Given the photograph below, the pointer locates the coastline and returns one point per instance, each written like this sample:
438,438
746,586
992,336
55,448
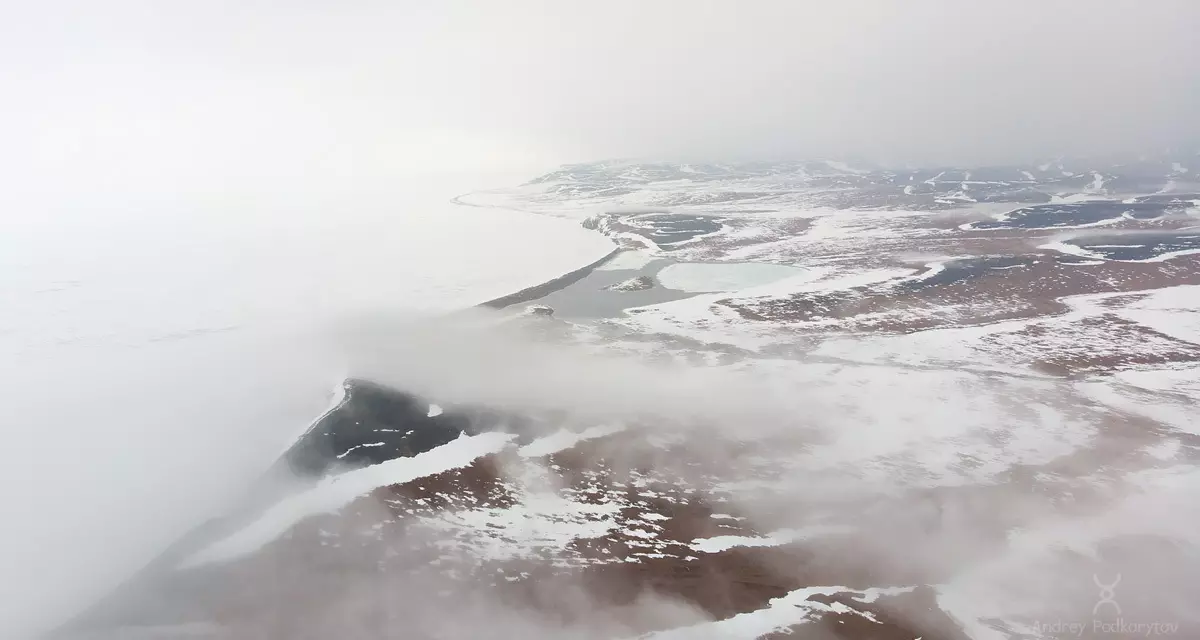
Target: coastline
541,290
276,479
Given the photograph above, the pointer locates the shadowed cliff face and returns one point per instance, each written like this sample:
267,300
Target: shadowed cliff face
376,423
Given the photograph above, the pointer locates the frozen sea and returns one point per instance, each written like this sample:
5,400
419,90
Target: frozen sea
139,341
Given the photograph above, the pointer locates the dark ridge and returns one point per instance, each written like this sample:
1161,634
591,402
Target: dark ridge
376,423
546,288
372,425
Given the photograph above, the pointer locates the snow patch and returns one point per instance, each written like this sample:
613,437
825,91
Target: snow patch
702,277
359,446
1175,413
1183,379
932,269
1172,311
539,524
780,613
717,544
336,492
1070,249
852,281
563,439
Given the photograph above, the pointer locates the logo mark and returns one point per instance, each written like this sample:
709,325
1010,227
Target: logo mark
1106,594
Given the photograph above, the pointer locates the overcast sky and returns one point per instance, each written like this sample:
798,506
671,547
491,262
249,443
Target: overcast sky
124,91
